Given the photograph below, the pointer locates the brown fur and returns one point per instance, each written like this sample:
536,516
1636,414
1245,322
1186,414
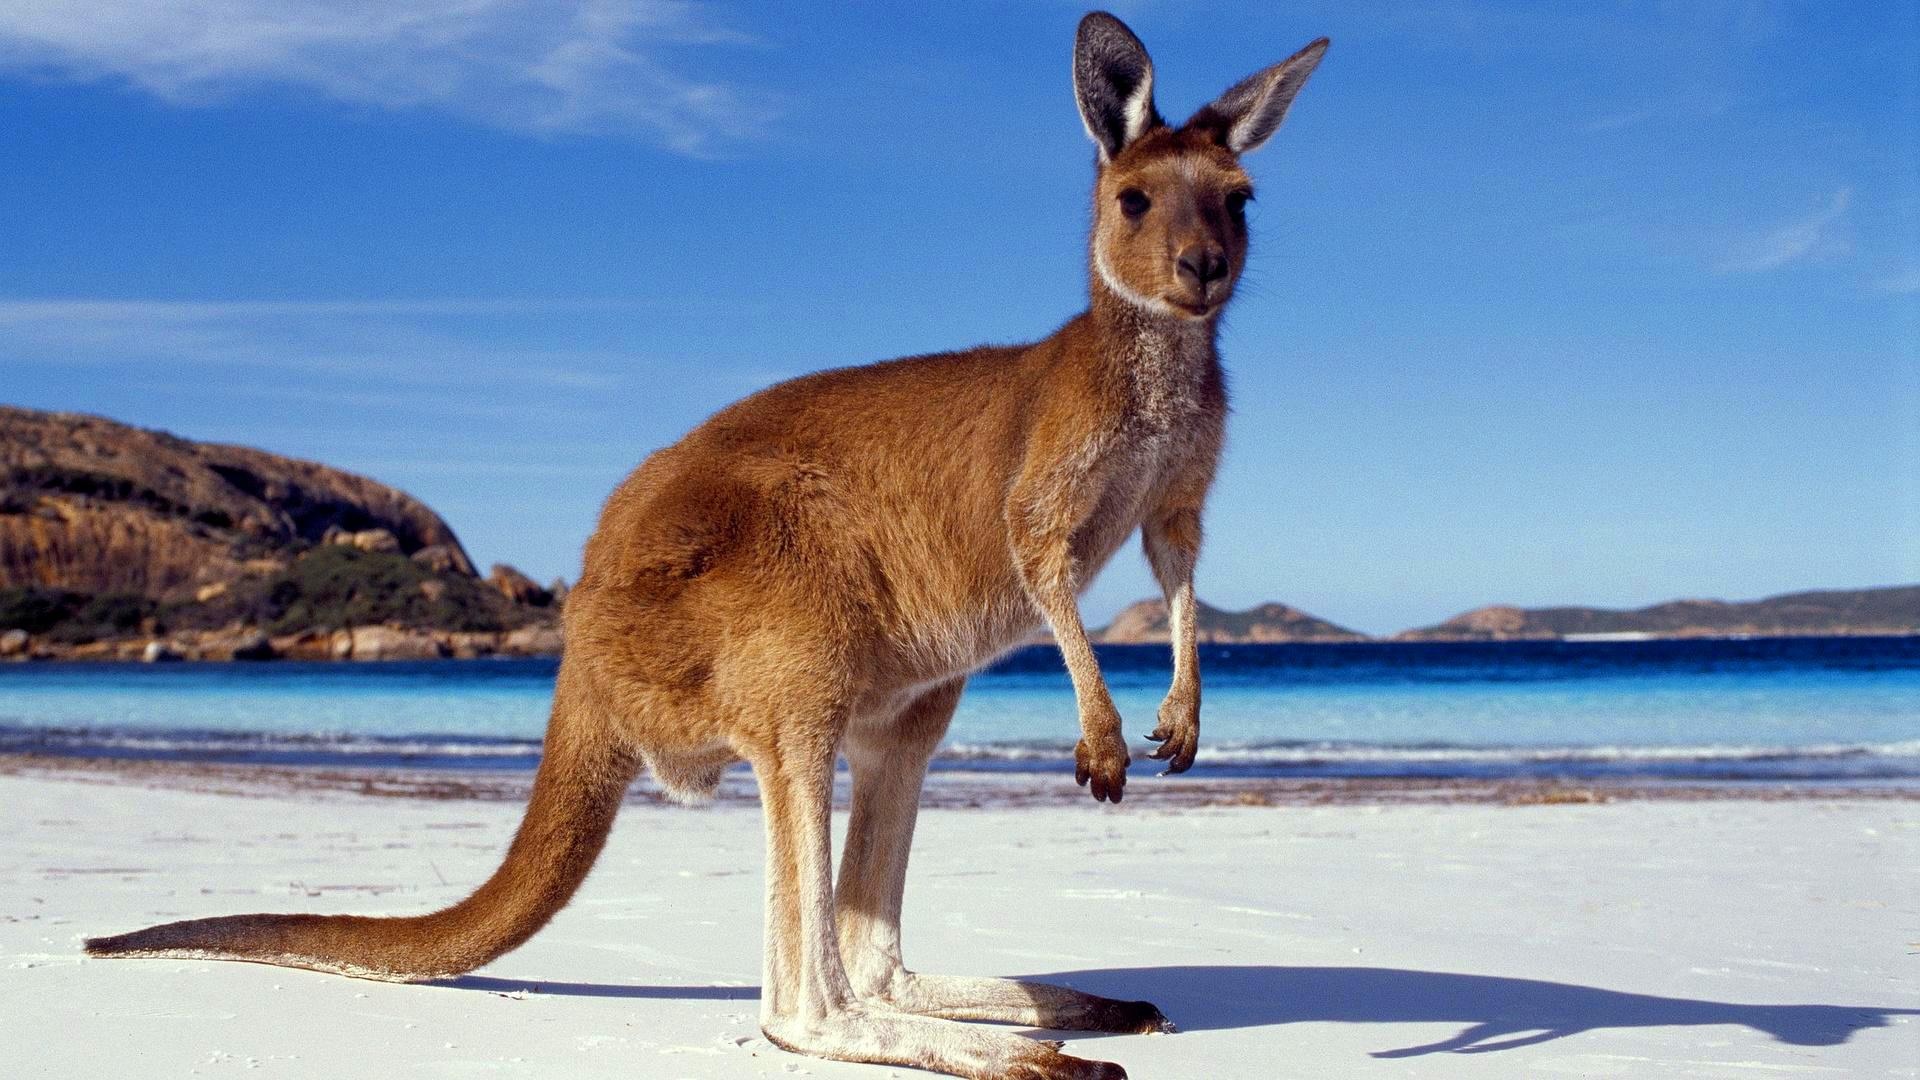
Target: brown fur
815,570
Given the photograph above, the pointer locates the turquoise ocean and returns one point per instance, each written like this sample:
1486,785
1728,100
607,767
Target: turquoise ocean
1819,710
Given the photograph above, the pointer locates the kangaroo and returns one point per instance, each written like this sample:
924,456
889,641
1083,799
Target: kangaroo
814,572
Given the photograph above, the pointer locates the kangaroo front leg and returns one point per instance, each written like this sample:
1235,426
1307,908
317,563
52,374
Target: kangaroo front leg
1172,539
888,770
1046,506
807,1004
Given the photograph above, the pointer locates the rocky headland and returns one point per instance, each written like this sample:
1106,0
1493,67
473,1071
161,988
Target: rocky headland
121,543
1827,613
1145,622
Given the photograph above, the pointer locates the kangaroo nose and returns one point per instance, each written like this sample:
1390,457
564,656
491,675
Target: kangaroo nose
1202,267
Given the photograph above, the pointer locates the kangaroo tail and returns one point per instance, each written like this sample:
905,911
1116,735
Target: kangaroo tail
582,779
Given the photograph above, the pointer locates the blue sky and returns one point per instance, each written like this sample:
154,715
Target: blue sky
1597,304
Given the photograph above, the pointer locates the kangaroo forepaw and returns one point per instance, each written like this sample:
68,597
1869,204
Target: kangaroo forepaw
1100,764
1178,733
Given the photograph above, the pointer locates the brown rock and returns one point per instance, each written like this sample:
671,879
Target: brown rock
95,506
518,587
378,541
305,645
470,645
1499,620
438,559
237,644
1889,610
394,643
1146,622
94,650
96,548
15,642
532,641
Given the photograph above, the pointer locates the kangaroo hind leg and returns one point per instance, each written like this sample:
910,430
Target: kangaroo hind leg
807,1004
889,767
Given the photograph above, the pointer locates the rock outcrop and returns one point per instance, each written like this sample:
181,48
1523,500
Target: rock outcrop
1893,610
98,507
1146,622
118,543
518,587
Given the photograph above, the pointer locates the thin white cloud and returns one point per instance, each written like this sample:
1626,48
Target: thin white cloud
569,66
13,310
1816,236
468,357
440,402
1617,121
1906,281
386,343
1679,108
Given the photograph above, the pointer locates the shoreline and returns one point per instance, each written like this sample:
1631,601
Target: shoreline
945,789
387,644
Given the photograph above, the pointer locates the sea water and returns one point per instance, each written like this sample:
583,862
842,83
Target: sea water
1811,709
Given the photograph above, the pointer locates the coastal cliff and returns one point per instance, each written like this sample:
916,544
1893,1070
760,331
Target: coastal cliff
119,542
96,506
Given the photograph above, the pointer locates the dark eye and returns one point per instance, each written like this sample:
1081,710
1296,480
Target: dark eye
1237,203
1134,203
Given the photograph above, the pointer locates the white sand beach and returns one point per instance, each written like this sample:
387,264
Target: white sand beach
1635,938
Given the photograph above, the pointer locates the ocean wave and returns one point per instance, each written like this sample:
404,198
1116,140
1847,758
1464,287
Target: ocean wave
273,747
1306,753
1859,762
1898,760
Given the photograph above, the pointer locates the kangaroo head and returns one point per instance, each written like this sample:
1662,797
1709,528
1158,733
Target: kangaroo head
1169,204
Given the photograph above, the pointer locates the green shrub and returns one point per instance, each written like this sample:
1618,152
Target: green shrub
337,586
112,615
71,617
331,587
37,610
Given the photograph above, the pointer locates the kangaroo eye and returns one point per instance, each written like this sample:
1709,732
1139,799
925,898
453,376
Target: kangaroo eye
1237,203
1134,203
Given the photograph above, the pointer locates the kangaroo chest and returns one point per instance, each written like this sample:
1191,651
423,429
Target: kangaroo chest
1153,440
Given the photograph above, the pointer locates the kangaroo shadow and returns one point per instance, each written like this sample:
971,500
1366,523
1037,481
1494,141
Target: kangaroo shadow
1499,1013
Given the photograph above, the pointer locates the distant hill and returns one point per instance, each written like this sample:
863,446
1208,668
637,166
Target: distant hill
1146,621
1894,610
96,506
113,538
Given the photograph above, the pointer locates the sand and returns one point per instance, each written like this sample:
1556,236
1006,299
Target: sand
1643,937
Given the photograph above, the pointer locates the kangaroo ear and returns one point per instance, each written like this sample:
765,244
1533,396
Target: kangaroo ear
1248,115
1113,82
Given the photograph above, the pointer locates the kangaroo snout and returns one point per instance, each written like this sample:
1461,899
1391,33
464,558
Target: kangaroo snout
1198,267
1202,266
1201,271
